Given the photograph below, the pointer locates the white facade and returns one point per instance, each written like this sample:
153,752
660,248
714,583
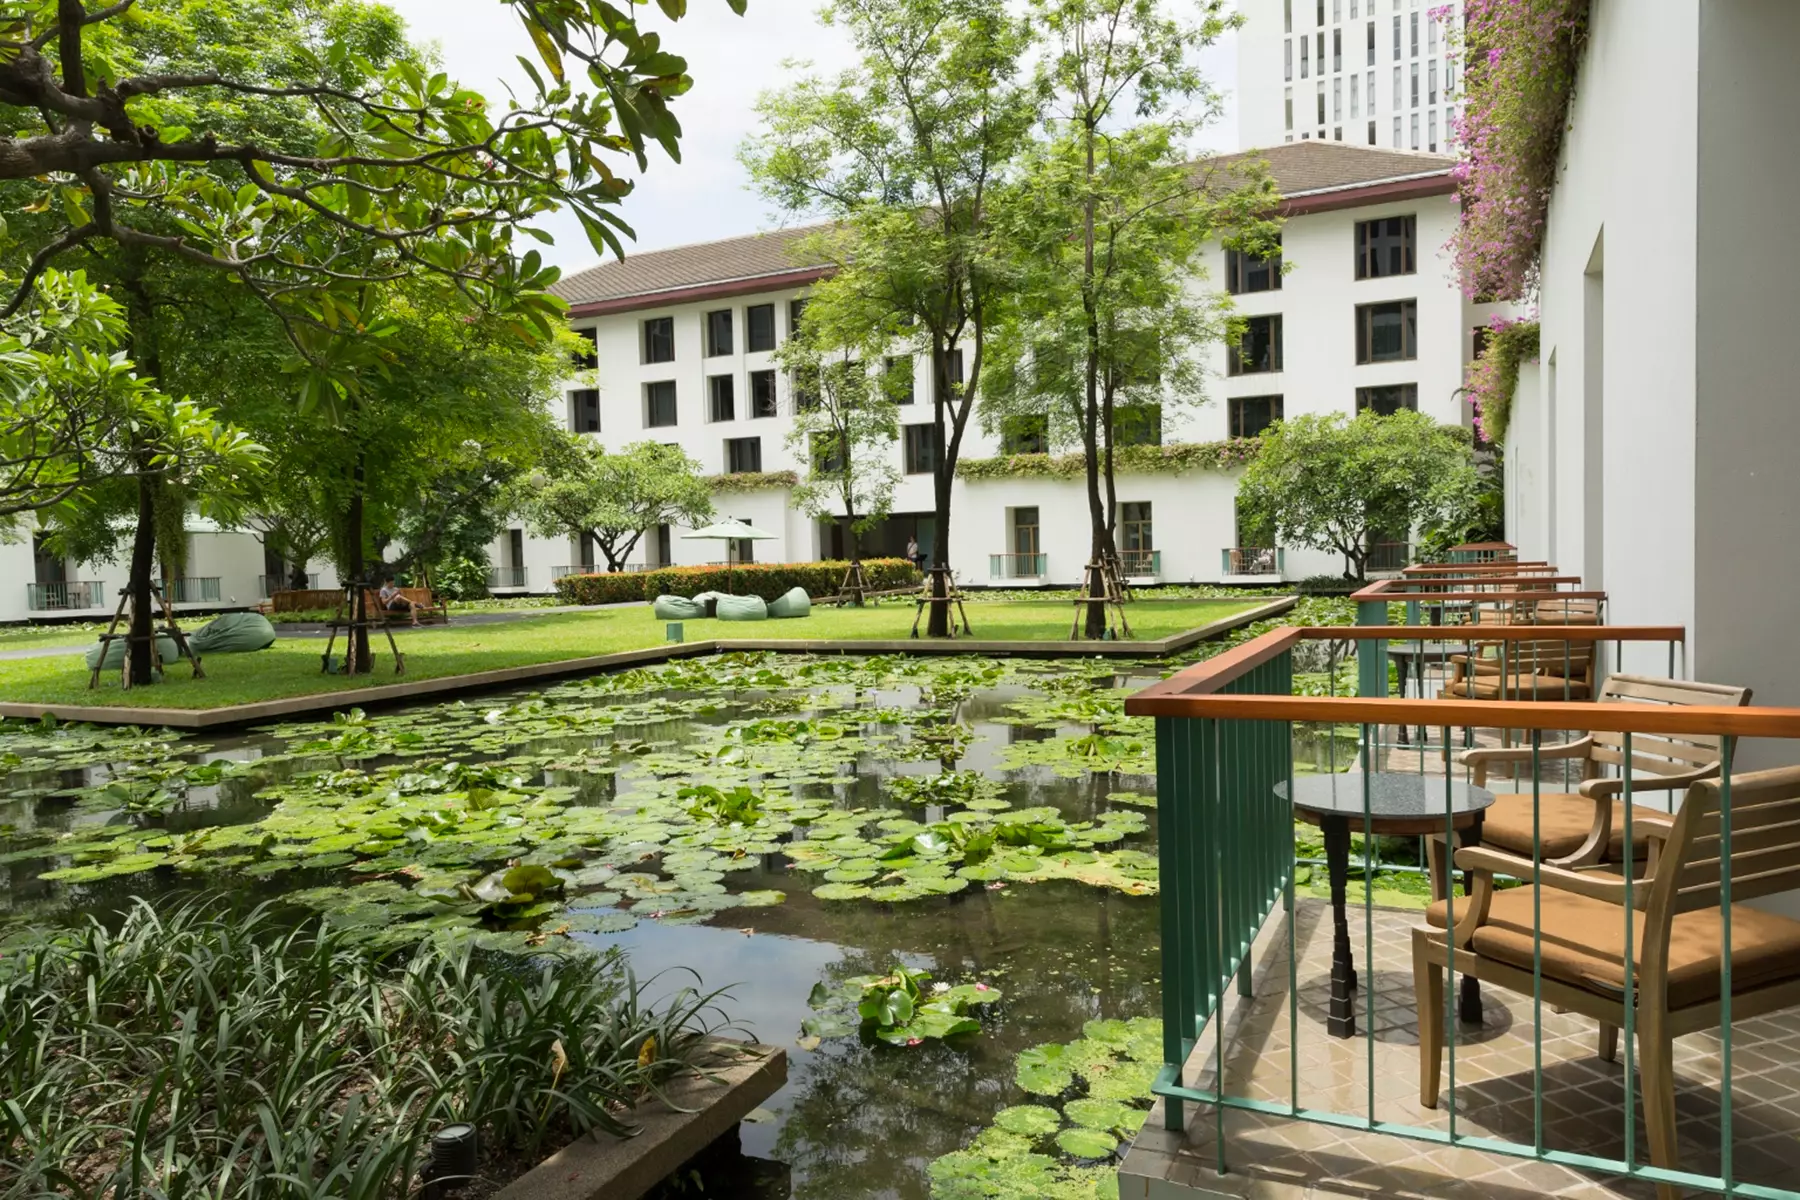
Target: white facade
1369,72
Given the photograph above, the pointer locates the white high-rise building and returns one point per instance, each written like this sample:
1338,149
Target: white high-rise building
1368,72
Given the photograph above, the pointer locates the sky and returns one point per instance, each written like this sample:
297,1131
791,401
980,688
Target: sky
732,59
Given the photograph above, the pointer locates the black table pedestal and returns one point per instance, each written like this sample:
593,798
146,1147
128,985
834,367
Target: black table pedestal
1340,1021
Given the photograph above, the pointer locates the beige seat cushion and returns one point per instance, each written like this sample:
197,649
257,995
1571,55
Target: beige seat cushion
1584,944
1518,687
1564,820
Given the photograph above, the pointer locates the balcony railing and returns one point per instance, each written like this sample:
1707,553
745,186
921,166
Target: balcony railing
1388,556
192,589
1282,1003
1141,564
1253,560
54,597
506,577
1017,566
574,569
268,585
1483,552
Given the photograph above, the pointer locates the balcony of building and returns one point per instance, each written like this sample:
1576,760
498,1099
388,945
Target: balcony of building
66,596
1141,566
192,589
268,585
1513,932
1029,569
508,579
1252,564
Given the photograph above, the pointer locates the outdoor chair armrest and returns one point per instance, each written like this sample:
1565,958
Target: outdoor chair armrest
1592,884
1478,760
1602,789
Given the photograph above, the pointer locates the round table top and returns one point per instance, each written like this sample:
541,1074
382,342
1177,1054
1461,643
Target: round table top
1393,796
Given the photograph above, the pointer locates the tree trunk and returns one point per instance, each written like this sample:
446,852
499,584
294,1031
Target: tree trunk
141,647
1094,626
357,649
939,623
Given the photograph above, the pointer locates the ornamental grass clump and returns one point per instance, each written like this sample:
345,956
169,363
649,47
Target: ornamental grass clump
1519,76
235,1057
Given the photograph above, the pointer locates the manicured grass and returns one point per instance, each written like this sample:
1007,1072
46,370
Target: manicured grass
291,666
30,637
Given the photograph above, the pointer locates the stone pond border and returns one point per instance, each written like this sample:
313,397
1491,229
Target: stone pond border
450,685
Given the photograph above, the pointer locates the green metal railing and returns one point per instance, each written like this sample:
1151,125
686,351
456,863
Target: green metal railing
192,589
1225,763
1140,564
1252,560
49,597
1017,566
506,577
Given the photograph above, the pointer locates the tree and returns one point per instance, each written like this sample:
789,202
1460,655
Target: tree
905,150
615,498
847,423
1331,482
302,149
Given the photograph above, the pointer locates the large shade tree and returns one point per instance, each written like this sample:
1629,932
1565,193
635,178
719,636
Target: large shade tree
907,150
303,150
614,498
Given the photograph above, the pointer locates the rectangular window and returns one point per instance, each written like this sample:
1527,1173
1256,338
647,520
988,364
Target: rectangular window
1250,415
827,454
1287,59
1390,399
1371,45
1415,88
1450,128
1259,350
1025,539
743,455
1337,50
1137,425
1337,101
921,446
1135,532
1431,35
1387,332
586,358
1431,129
1337,10
1415,35
956,366
1386,246
1337,134
804,386
584,410
1353,10
1248,273
721,399
1371,133
1354,106
659,404
1287,98
659,340
1396,39
1321,20
1396,133
759,323
762,393
1321,107
1399,97
1287,15
1305,56
796,314
1449,79
718,333
1431,82
1319,58
1415,131
1025,433
897,375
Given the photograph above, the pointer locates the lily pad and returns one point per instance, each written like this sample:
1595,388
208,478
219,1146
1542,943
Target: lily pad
1086,1143
1030,1120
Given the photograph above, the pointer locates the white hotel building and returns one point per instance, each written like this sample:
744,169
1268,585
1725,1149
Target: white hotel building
1367,312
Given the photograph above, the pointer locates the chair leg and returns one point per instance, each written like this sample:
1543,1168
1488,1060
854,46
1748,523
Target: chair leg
1428,994
1609,1042
1656,1069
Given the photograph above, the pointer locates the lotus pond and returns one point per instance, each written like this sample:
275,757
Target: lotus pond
796,826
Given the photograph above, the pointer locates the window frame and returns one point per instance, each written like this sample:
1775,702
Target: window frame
1408,397
577,398
1234,352
734,449
1273,404
751,341
920,440
1025,433
1409,331
587,359
774,397
1153,425
653,333
713,390
651,392
1375,245
901,365
1242,267
715,348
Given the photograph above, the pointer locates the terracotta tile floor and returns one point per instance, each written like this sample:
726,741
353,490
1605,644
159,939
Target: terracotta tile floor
1583,1102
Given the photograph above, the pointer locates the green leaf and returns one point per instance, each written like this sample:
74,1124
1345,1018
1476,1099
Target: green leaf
1086,1143
1030,1120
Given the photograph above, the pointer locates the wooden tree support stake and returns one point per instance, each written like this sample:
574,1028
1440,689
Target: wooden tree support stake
1103,583
170,628
952,594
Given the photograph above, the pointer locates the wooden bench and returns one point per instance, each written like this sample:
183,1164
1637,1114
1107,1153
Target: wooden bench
431,610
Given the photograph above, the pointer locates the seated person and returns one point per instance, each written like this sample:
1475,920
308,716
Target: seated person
393,602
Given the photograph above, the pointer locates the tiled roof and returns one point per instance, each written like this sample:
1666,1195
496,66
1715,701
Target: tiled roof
1299,168
651,271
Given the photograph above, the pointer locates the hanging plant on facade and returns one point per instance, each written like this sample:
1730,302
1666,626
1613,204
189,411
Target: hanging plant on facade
1172,459
1518,80
753,481
1494,377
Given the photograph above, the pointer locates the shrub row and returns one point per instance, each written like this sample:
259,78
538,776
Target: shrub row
768,580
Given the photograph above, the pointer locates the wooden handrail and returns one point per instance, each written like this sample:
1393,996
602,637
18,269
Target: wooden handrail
1412,588
1495,596
1477,568
1222,669
1463,634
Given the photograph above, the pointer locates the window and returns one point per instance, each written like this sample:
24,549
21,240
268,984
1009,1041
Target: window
1415,131
805,388
743,455
1353,10
762,393
796,314
1337,134
1137,425
1259,350
1287,16
1384,247
1321,107
1287,98
1371,45
1414,91
1134,528
586,358
584,410
954,367
1305,56
1354,106
1431,127
659,340
1399,97
1431,35
897,375
1415,35
721,400
1388,400
1337,101
1250,415
718,333
1025,540
759,325
1396,133
1321,19
1025,433
1479,341
1337,50
1371,133
1319,57
1431,82
659,404
1337,10
1287,59
1387,332
1248,273
1370,93
1449,78
740,550
1396,39
827,453
921,449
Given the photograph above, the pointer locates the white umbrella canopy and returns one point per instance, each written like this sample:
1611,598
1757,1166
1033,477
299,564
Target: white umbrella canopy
729,531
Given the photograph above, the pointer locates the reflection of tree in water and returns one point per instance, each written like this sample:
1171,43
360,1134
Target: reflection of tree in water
867,1120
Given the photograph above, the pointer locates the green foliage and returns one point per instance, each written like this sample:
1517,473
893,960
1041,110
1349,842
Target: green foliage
753,481
1174,458
240,1056
768,580
901,1008
615,498
1494,377
1337,483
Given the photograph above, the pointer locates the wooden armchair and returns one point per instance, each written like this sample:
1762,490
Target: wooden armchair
1579,932
1523,670
1586,826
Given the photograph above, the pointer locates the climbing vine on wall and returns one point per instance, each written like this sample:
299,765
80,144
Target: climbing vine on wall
1172,459
1494,377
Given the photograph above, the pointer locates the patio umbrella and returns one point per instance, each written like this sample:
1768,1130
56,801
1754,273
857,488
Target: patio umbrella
729,531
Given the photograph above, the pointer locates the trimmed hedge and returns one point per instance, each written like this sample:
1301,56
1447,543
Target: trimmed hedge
768,580
753,481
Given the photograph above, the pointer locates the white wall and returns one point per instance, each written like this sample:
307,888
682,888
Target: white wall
1262,86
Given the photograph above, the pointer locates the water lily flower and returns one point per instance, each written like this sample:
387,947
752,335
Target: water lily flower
940,987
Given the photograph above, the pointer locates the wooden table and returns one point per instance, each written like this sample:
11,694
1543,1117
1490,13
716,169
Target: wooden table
1398,805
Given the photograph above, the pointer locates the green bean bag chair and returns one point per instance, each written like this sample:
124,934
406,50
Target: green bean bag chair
233,633
115,653
677,608
792,603
743,608
708,602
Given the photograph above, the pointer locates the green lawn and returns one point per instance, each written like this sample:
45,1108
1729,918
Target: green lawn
291,667
30,637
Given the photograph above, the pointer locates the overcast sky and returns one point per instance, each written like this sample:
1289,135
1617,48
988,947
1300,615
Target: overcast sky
732,59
